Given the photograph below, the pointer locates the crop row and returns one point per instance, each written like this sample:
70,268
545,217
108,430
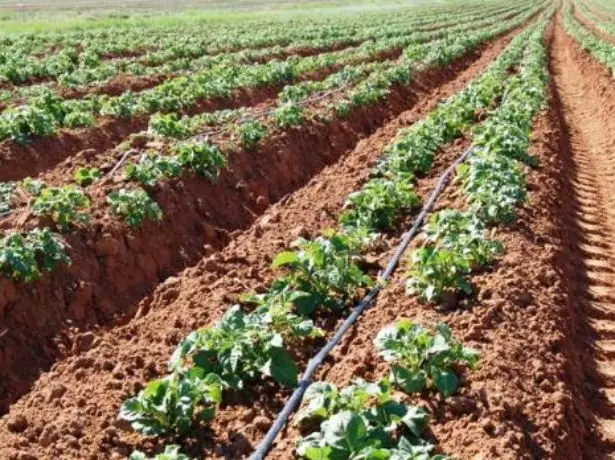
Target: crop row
74,70
224,36
604,52
67,206
381,36
322,274
47,112
493,183
72,67
351,420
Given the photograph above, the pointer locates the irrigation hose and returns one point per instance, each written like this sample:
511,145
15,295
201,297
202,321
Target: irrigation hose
295,399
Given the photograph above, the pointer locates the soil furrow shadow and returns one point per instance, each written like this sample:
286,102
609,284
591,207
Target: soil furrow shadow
588,223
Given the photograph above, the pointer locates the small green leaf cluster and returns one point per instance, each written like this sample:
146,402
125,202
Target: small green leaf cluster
240,348
64,205
126,105
171,452
134,206
201,157
289,115
420,359
378,204
32,186
152,167
86,176
275,309
22,123
495,186
169,125
378,85
361,421
251,133
6,195
456,244
23,256
171,403
348,75
172,126
322,272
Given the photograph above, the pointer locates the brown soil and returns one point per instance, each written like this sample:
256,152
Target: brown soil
586,105
108,366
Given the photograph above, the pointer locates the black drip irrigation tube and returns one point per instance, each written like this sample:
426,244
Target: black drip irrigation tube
295,399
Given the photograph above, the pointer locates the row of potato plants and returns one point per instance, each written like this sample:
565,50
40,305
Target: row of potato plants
161,42
86,57
71,69
155,38
363,420
47,112
96,69
349,423
89,50
598,21
352,87
349,427
68,205
603,51
494,183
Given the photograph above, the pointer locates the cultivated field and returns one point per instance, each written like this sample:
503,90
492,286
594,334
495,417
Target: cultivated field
383,232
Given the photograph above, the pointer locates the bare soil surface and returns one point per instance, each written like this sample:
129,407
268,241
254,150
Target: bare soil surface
586,104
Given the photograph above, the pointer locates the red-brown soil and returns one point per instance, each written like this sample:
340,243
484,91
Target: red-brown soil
586,107
83,391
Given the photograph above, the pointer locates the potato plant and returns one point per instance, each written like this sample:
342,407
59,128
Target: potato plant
24,255
362,420
64,205
134,206
420,359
